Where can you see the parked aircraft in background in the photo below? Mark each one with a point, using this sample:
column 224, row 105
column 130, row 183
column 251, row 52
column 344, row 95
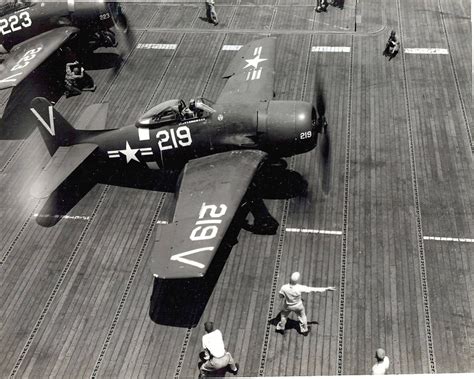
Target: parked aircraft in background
column 32, row 31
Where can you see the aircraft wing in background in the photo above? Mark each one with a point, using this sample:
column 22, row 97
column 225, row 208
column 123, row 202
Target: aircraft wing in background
column 28, row 55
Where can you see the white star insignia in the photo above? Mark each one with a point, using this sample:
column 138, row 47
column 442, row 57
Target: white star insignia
column 130, row 153
column 254, row 61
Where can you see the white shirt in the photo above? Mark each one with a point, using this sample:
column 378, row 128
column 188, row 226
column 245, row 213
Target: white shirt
column 214, row 343
column 380, row 367
column 292, row 292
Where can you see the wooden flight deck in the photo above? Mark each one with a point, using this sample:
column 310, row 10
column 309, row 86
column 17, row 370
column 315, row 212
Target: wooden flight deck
column 390, row 223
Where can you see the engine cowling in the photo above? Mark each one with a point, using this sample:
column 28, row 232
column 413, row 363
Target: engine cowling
column 286, row 128
column 93, row 15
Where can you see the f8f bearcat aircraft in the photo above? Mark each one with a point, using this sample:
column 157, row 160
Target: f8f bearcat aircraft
column 219, row 147
column 32, row 31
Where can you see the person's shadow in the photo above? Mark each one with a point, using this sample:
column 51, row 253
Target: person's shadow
column 290, row 323
column 214, row 374
column 338, row 4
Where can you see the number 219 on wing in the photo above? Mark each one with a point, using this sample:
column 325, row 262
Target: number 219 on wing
column 173, row 138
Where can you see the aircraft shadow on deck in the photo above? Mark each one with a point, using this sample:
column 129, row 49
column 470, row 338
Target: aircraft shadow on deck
column 181, row 303
column 177, row 302
column 46, row 81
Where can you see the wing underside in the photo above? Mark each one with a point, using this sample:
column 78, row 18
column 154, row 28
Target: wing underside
column 211, row 191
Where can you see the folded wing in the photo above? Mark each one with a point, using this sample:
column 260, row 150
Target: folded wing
column 28, row 55
column 211, row 191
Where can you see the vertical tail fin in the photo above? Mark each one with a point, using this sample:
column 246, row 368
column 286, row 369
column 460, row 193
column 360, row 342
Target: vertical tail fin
column 54, row 129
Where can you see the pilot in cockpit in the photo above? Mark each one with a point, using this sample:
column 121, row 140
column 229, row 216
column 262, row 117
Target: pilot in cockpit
column 189, row 111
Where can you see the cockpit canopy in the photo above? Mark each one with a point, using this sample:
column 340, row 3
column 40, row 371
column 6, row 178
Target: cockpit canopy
column 173, row 112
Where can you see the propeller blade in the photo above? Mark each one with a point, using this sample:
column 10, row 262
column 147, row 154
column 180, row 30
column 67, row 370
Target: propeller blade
column 322, row 127
column 320, row 104
column 326, row 162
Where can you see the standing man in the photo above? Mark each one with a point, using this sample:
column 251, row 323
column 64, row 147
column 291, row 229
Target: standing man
column 392, row 46
column 381, row 366
column 215, row 354
column 211, row 12
column 291, row 295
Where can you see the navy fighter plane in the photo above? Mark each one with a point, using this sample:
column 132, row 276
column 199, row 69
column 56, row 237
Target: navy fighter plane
column 31, row 31
column 219, row 147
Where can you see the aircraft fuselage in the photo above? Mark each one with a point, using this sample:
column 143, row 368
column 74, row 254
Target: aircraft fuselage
column 251, row 126
column 32, row 19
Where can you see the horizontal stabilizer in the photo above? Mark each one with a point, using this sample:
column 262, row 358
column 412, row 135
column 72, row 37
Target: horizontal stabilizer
column 94, row 117
column 62, row 164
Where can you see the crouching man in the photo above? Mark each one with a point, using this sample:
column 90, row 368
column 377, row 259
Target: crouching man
column 215, row 355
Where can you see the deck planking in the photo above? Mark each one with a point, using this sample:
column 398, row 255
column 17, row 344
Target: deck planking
column 382, row 277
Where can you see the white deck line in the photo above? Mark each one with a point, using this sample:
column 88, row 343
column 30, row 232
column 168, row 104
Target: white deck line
column 410, row 50
column 331, row 49
column 157, row 46
column 449, row 239
column 231, row 47
column 314, row 231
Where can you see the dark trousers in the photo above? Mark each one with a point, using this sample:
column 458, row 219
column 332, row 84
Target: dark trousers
column 211, row 13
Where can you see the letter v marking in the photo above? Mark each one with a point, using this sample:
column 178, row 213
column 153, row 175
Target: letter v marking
column 49, row 127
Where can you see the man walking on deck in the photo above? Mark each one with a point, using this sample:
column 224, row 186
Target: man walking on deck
column 211, row 12
column 291, row 295
column 215, row 355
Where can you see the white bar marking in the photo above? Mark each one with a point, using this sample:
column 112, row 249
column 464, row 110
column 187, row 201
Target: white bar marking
column 449, row 239
column 157, row 46
column 143, row 134
column 232, row 47
column 426, row 51
column 331, row 49
column 162, row 222
column 204, row 222
column 314, row 231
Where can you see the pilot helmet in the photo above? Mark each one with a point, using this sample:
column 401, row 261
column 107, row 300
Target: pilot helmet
column 192, row 104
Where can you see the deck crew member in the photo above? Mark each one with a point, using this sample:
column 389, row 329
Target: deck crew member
column 322, row 6
column 392, row 46
column 77, row 80
column 381, row 366
column 215, row 354
column 291, row 295
column 211, row 12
